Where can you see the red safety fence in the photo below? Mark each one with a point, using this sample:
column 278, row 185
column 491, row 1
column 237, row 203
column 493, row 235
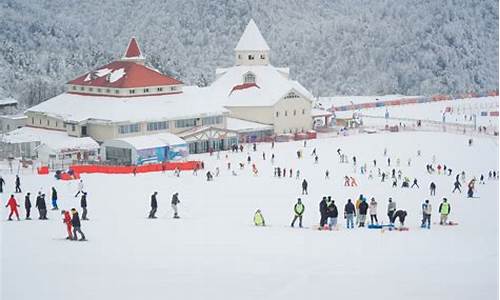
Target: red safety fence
column 43, row 170
column 168, row 166
column 494, row 113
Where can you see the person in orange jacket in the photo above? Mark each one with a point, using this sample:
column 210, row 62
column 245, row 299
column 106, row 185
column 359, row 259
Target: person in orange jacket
column 67, row 221
column 12, row 204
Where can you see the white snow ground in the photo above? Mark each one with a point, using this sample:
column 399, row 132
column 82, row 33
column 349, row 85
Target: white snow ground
column 214, row 251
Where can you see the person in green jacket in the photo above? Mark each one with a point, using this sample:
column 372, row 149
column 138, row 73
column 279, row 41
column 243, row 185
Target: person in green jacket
column 444, row 210
column 299, row 211
column 258, row 219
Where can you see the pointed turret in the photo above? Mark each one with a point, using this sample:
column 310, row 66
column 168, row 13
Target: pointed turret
column 133, row 52
column 252, row 49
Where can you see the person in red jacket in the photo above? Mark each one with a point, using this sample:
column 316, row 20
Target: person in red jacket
column 67, row 221
column 12, row 204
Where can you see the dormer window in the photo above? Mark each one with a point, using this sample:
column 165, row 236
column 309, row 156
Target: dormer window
column 251, row 57
column 249, row 78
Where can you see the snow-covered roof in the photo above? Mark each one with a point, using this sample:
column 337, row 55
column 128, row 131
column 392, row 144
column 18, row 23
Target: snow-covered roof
column 271, row 86
column 319, row 113
column 14, row 117
column 153, row 141
column 76, row 108
column 8, row 101
column 252, row 39
column 56, row 140
column 246, row 126
column 327, row 102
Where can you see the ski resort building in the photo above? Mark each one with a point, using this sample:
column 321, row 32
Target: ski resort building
column 253, row 90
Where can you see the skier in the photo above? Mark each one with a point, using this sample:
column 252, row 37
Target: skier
column 316, row 159
column 298, row 209
column 363, row 209
column 27, row 205
column 470, row 186
column 154, row 206
column 349, row 213
column 175, row 201
column 304, row 187
column 391, row 209
column 444, row 211
column 2, row 183
column 426, row 212
column 433, row 189
column 373, row 211
column 327, row 174
column 353, row 182
column 297, row 174
column 401, row 215
column 80, row 187
column 332, row 214
column 67, row 221
column 415, row 183
column 258, row 218
column 481, row 179
column 54, row 199
column 18, row 184
column 83, row 204
column 12, row 204
column 323, row 213
column 346, row 181
column 457, row 187
column 75, row 221
column 42, row 208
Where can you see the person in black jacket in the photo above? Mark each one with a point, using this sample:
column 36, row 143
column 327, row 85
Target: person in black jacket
column 18, row 184
column 27, row 205
column 401, row 215
column 349, row 213
column 83, row 204
column 332, row 214
column 54, row 199
column 42, row 208
column 304, row 187
column 433, row 189
column 75, row 221
column 457, row 186
column 363, row 211
column 175, row 201
column 2, row 182
column 154, row 206
column 322, row 210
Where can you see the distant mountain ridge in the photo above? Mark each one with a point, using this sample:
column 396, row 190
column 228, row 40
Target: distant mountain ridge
column 332, row 47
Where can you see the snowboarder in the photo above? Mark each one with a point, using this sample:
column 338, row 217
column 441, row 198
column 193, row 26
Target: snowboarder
column 433, row 189
column 332, row 214
column 444, row 211
column 323, row 213
column 27, row 205
column 298, row 209
column 426, row 213
column 18, row 184
column 349, row 213
column 154, row 206
column 42, row 207
column 67, row 221
column 12, row 204
column 75, row 221
column 470, row 186
column 391, row 209
column 175, row 201
column 80, row 187
column 258, row 218
column 304, row 187
column 373, row 211
column 363, row 209
column 83, row 205
column 2, row 183
column 415, row 183
column 401, row 215
column 54, row 199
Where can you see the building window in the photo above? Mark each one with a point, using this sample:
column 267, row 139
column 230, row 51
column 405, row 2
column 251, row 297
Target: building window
column 291, row 95
column 131, row 91
column 64, row 125
column 57, row 123
column 32, row 120
column 129, row 128
column 277, row 114
column 73, row 127
column 108, row 91
column 74, row 87
column 99, row 90
column 211, row 120
column 294, row 112
column 185, row 123
column 160, row 89
column 146, row 90
column 40, row 121
column 251, row 57
column 153, row 126
column 286, row 113
column 239, row 56
column 82, row 88
column 303, row 111
column 249, row 78
column 91, row 89
column 117, row 91
column 173, row 88
column 262, row 56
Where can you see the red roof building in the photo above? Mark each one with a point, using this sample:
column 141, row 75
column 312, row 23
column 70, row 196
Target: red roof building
column 125, row 78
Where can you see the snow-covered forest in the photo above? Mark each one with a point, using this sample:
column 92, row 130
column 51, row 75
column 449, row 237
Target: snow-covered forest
column 333, row 47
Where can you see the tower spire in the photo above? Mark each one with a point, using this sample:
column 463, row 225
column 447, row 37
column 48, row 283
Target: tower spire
column 133, row 52
column 252, row 48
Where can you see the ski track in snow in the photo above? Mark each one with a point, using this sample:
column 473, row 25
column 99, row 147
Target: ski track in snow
column 215, row 252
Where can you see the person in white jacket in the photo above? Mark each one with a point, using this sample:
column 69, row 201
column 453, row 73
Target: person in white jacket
column 426, row 212
column 373, row 210
column 80, row 188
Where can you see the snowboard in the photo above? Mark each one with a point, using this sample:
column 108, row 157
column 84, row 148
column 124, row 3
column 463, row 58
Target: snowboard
column 398, row 228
